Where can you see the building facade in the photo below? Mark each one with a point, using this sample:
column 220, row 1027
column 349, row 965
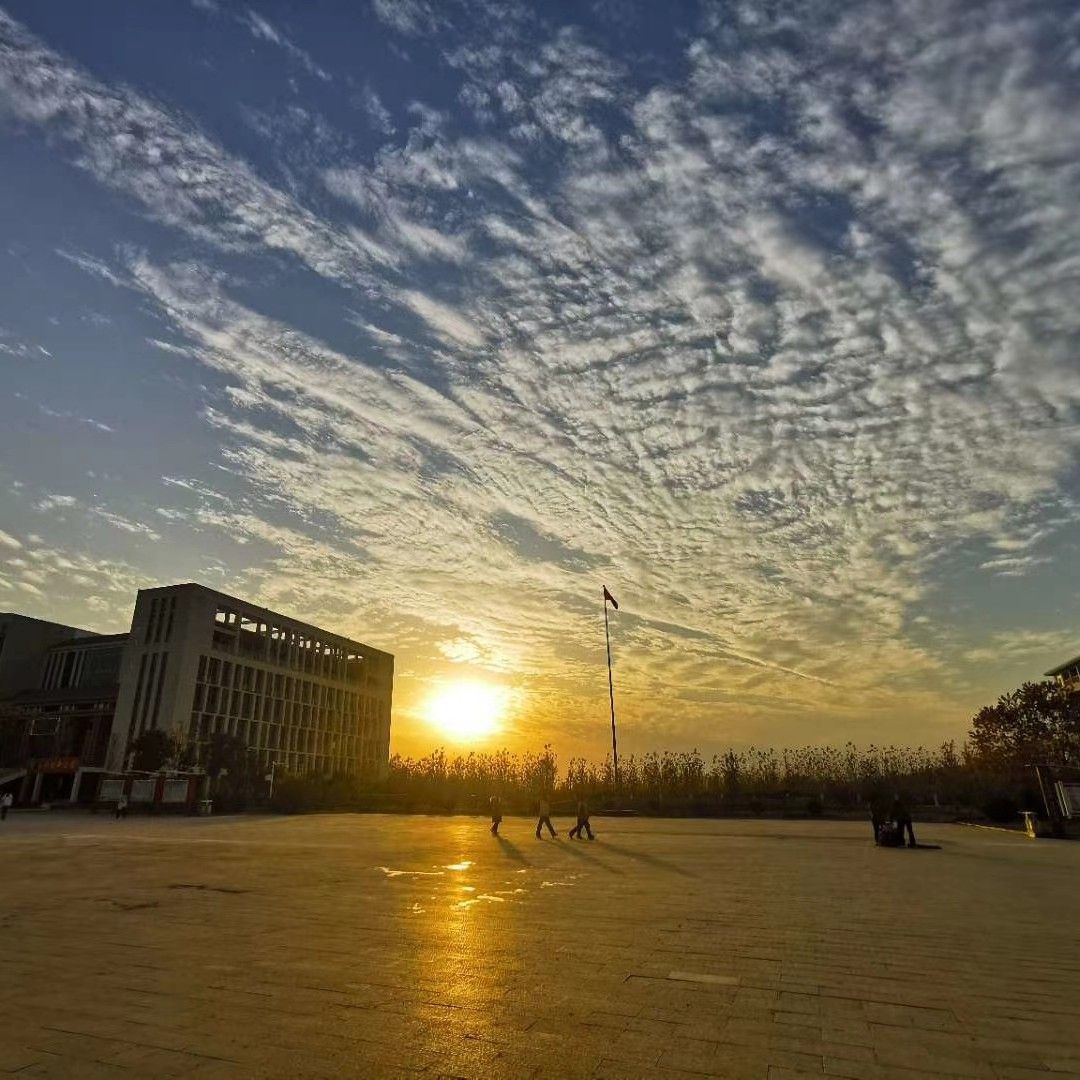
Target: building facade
column 61, row 730
column 200, row 663
column 23, row 645
column 195, row 664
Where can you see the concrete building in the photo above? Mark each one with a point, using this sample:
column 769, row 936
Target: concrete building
column 1067, row 675
column 23, row 644
column 59, row 732
column 196, row 663
column 200, row 663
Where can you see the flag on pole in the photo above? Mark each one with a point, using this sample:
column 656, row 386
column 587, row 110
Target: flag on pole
column 609, row 597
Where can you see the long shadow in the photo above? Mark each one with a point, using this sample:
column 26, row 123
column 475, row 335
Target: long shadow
column 571, row 848
column 650, row 860
column 512, row 851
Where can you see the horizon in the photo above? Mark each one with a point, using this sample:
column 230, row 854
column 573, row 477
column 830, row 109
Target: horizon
column 423, row 324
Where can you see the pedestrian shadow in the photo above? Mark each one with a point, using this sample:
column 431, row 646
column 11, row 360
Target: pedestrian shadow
column 571, row 848
column 512, row 851
column 651, row 860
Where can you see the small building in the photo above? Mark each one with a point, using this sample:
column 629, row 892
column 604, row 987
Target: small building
column 1067, row 675
column 45, row 705
column 67, row 721
column 23, row 644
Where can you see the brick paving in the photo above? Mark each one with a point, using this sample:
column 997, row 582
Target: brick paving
column 341, row 945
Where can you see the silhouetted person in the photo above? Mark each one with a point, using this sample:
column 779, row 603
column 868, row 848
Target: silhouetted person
column 121, row 806
column 582, row 820
column 5, row 805
column 879, row 813
column 496, row 814
column 545, row 818
column 902, row 817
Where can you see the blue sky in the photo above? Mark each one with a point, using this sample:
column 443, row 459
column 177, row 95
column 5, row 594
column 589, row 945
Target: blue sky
column 420, row 321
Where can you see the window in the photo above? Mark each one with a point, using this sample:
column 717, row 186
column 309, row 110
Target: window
column 225, row 617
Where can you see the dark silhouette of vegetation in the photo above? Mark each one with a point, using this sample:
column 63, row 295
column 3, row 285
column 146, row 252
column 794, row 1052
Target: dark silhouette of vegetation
column 231, row 770
column 988, row 776
column 1040, row 723
column 152, row 750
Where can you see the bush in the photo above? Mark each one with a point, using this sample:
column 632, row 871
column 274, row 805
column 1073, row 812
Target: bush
column 1001, row 809
column 814, row 806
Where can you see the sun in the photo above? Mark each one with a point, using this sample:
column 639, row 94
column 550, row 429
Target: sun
column 467, row 710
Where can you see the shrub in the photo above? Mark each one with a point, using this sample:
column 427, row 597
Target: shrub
column 1001, row 809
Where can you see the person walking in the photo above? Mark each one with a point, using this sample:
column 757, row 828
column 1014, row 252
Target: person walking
column 901, row 815
column 5, row 804
column 879, row 813
column 495, row 805
column 582, row 821
column 121, row 805
column 545, row 818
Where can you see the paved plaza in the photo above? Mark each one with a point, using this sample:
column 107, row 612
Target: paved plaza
column 369, row 945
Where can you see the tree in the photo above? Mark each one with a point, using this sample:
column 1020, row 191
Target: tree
column 230, row 767
column 1040, row 722
column 152, row 750
column 226, row 754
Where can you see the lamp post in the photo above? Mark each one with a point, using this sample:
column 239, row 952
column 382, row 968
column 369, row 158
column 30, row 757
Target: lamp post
column 273, row 767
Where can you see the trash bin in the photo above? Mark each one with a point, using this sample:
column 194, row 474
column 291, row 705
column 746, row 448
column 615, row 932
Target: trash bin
column 1029, row 823
column 206, row 806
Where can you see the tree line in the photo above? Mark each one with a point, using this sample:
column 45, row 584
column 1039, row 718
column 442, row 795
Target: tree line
column 990, row 772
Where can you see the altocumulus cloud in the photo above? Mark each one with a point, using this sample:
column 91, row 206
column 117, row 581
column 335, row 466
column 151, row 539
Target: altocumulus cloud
column 753, row 330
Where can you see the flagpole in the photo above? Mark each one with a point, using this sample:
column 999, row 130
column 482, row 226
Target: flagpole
column 611, row 696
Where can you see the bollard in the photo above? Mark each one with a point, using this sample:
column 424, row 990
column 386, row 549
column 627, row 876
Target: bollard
column 1029, row 823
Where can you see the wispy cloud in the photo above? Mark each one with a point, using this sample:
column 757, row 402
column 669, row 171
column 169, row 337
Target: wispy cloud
column 766, row 332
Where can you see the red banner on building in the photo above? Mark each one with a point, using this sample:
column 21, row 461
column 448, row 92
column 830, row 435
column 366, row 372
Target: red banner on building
column 56, row 765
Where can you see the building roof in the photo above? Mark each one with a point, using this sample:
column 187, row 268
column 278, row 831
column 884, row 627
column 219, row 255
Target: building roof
column 1062, row 668
column 94, row 639
column 75, row 631
column 267, row 615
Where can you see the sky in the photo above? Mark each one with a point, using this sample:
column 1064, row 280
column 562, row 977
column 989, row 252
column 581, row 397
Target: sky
column 424, row 321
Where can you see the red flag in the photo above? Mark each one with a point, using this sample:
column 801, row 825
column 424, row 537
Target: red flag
column 608, row 596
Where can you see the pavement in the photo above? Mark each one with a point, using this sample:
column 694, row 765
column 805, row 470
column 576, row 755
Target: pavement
column 371, row 945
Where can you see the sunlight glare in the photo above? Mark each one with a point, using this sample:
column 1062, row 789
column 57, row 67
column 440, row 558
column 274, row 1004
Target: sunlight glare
column 467, row 710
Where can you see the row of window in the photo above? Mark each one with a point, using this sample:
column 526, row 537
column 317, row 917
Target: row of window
column 327, row 704
column 245, row 636
column 319, row 751
column 159, row 620
column 148, row 687
column 241, row 706
column 234, row 676
column 86, row 666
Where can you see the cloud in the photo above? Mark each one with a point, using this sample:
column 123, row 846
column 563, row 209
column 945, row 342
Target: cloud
column 407, row 16
column 91, row 265
column 768, row 332
column 377, row 113
column 97, row 425
column 8, row 541
column 181, row 177
column 264, row 30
